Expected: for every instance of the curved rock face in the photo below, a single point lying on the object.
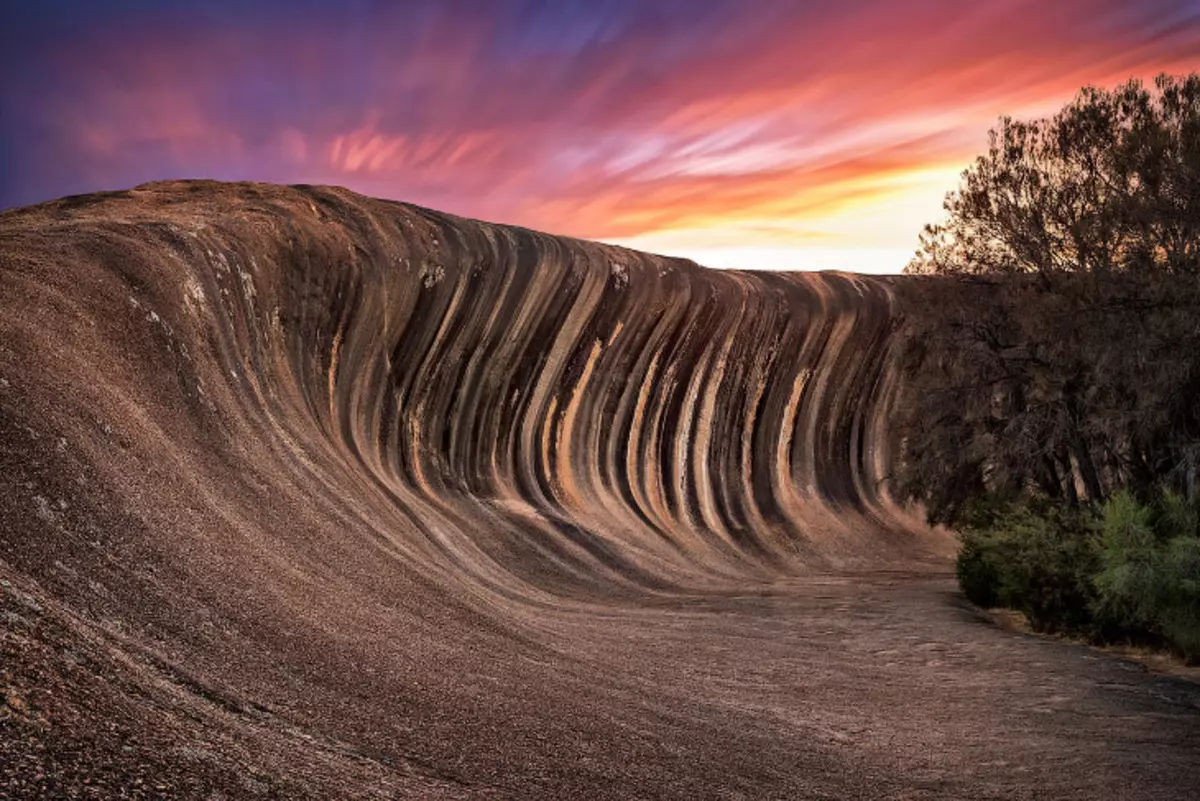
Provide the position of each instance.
(350, 487)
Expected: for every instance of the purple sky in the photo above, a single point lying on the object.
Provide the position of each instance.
(763, 134)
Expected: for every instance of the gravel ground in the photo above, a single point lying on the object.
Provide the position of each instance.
(864, 686)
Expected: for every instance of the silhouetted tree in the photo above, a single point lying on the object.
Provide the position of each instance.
(1112, 182)
(1053, 347)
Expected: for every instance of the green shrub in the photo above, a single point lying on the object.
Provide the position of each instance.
(1179, 611)
(1132, 573)
(1148, 588)
(981, 567)
(1039, 561)
(1176, 517)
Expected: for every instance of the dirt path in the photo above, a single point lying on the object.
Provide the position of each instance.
(894, 687)
(850, 687)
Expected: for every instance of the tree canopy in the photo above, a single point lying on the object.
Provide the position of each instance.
(1052, 347)
(1110, 183)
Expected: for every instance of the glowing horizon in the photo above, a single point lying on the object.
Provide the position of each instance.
(788, 136)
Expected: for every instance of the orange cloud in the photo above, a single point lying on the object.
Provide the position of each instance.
(791, 126)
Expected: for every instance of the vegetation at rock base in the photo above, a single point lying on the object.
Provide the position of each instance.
(1125, 572)
(1051, 403)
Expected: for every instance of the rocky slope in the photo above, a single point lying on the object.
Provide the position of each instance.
(304, 494)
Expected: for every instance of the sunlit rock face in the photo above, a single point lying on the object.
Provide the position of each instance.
(365, 467)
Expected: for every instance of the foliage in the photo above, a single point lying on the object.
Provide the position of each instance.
(1149, 586)
(1107, 184)
(1179, 596)
(1069, 393)
(1050, 401)
(1039, 561)
(1130, 572)
(1049, 349)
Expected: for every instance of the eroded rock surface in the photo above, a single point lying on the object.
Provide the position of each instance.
(304, 494)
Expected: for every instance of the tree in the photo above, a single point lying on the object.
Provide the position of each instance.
(1050, 347)
(1110, 183)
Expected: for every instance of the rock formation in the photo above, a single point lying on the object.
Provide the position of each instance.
(304, 493)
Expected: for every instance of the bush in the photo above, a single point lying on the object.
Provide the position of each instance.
(987, 553)
(1149, 584)
(1040, 561)
(1179, 613)
(1131, 574)
(980, 568)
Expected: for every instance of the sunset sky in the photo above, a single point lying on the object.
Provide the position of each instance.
(748, 133)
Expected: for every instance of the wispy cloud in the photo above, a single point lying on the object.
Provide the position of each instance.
(719, 127)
